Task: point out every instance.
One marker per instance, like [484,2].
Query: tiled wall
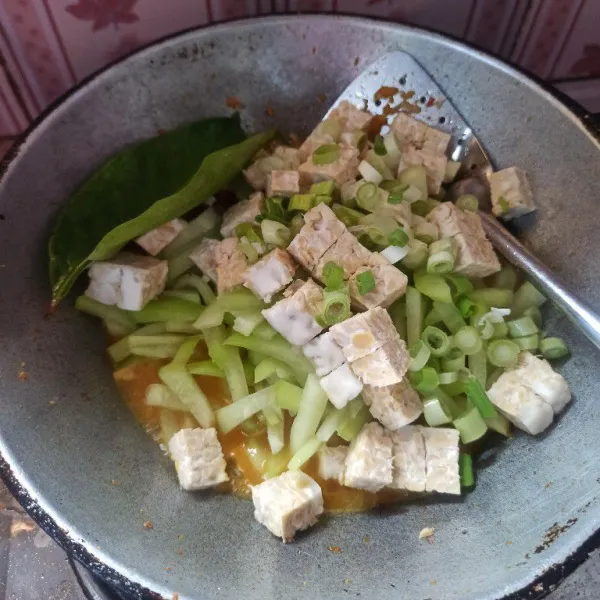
[48,45]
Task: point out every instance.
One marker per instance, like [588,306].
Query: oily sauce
[244,466]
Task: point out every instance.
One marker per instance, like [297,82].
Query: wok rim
[538,587]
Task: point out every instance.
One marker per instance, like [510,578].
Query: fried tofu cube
[369,459]
[431,159]
[347,252]
[128,281]
[288,503]
[408,130]
[475,257]
[283,183]
[441,454]
[511,193]
[245,211]
[231,265]
[542,379]
[390,284]
[386,366]
[341,386]
[343,169]
[294,316]
[351,117]
[198,458]
[270,274]
[394,406]
[409,462]
[324,353]
[203,256]
[320,230]
[158,239]
[451,221]
[520,404]
[332,461]
[364,333]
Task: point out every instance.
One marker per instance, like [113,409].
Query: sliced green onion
[333,276]
[336,306]
[301,202]
[414,315]
[479,399]
[434,286]
[433,317]
[500,298]
[466,306]
[417,177]
[395,253]
[348,216]
[467,202]
[553,348]
[330,127]
[369,172]
[365,282]
[424,380]
[506,278]
[312,406]
[379,145]
[522,327]
[323,188]
[398,237]
[250,231]
[367,196]
[296,224]
[232,415]
[478,366]
[323,199]
[448,377]
[205,368]
[503,353]
[397,313]
[500,424]
[274,207]
[461,284]
[426,232]
[395,197]
[468,340]
[452,169]
[526,296]
[412,195]
[450,316]
[417,256]
[442,255]
[454,360]
[420,208]
[467,477]
[535,314]
[436,340]
[471,426]
[275,233]
[434,413]
[419,355]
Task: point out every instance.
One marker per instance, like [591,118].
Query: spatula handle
[543,278]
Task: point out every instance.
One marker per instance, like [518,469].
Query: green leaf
[143,187]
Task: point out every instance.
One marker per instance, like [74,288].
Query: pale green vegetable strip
[312,406]
[168,425]
[189,295]
[288,396]
[275,427]
[204,367]
[178,265]
[304,453]
[270,366]
[193,233]
[352,428]
[264,331]
[331,423]
[186,350]
[275,465]
[168,309]
[166,351]
[239,300]
[229,417]
[178,327]
[212,316]
[246,322]
[197,282]
[115,328]
[414,316]
[277,348]
[122,349]
[97,309]
[165,339]
[355,406]
[158,394]
[500,424]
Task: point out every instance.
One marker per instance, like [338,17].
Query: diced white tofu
[369,459]
[539,376]
[283,183]
[324,353]
[270,274]
[394,406]
[431,159]
[244,211]
[332,461]
[475,257]
[128,281]
[408,130]
[203,256]
[511,193]
[341,170]
[158,239]
[364,333]
[520,404]
[290,157]
[287,503]
[390,284]
[231,264]
[386,366]
[351,117]
[341,386]
[410,470]
[451,221]
[441,454]
[320,230]
[294,316]
[198,458]
[347,252]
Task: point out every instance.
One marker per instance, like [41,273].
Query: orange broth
[132,381]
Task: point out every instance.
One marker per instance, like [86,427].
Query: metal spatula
[400,74]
